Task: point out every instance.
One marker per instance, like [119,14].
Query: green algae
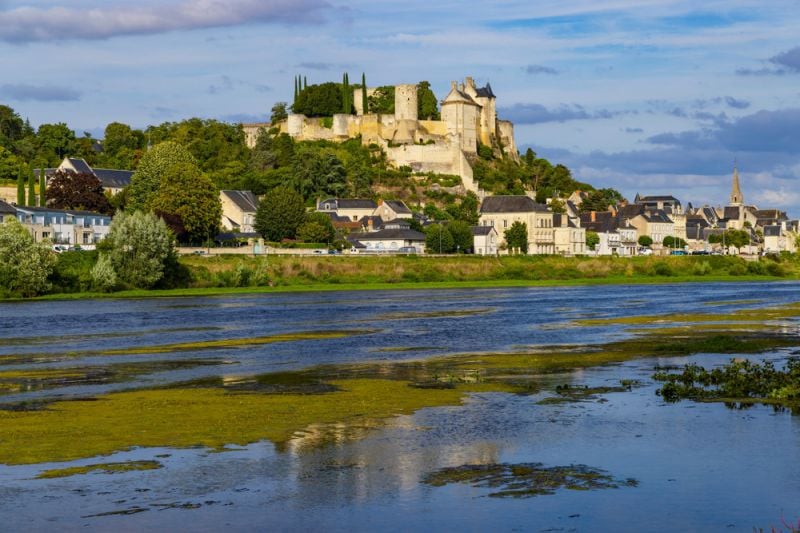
[12,381]
[105,468]
[208,417]
[526,480]
[217,344]
[572,394]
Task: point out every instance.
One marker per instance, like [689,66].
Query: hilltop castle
[445,146]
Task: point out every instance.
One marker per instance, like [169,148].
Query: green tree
[324,100]
[645,240]
[24,264]
[731,237]
[9,164]
[517,237]
[278,112]
[462,235]
[154,164]
[139,246]
[22,172]
[600,199]
[71,190]
[318,173]
[382,100]
[55,142]
[592,239]
[188,194]
[12,128]
[280,213]
[427,104]
[438,239]
[123,146]
[31,187]
[673,242]
[364,101]
[43,188]
[103,276]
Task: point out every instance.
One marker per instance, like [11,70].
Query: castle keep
[445,146]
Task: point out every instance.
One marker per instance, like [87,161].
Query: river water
[698,467]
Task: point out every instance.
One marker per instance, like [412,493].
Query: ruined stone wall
[405,102]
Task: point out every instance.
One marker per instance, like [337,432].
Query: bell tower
[736,190]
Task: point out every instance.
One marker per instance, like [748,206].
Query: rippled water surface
[698,467]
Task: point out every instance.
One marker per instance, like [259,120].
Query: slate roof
[456,96]
[397,223]
[659,198]
[112,178]
[485,92]
[6,208]
[66,211]
[481,230]
[511,204]
[657,216]
[80,165]
[350,203]
[398,206]
[772,231]
[244,200]
[731,212]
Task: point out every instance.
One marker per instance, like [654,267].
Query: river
[696,466]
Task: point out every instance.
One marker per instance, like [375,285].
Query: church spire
[736,190]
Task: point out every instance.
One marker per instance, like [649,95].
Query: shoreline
[403,285]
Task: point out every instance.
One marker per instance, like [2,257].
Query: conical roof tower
[736,190]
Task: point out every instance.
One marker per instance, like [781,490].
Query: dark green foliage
[218,148]
[280,213]
[318,173]
[673,242]
[31,188]
[485,152]
[731,237]
[12,128]
[54,143]
[600,199]
[645,240]
[517,237]
[382,100]
[278,113]
[122,146]
[364,101]
[427,104]
[73,271]
[736,381]
[324,100]
[462,236]
[316,228]
[42,188]
[22,176]
[592,239]
[438,240]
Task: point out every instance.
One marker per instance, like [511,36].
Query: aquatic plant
[738,380]
[525,480]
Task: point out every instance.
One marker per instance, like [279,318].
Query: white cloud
[30,24]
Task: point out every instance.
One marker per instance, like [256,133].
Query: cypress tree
[364,103]
[42,188]
[305,83]
[31,188]
[21,186]
[296,91]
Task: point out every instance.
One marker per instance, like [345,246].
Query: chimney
[454,85]
[369,224]
[461,87]
[594,216]
[470,81]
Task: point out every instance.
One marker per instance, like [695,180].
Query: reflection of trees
[351,462]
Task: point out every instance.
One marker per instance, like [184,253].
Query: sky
[647,96]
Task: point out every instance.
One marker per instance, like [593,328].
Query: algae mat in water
[206,417]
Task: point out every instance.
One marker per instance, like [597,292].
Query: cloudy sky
[649,96]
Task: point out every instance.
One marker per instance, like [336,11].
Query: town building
[238,211]
[501,212]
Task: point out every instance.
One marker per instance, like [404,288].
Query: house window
[505,223]
[45,235]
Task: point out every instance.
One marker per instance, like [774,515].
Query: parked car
[333,252]
[645,251]
[319,252]
[58,248]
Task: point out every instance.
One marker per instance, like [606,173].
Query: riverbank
[234,274]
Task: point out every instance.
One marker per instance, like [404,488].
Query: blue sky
[649,96]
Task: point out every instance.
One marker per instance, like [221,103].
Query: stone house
[351,208]
[569,236]
[484,240]
[392,209]
[501,212]
[238,211]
